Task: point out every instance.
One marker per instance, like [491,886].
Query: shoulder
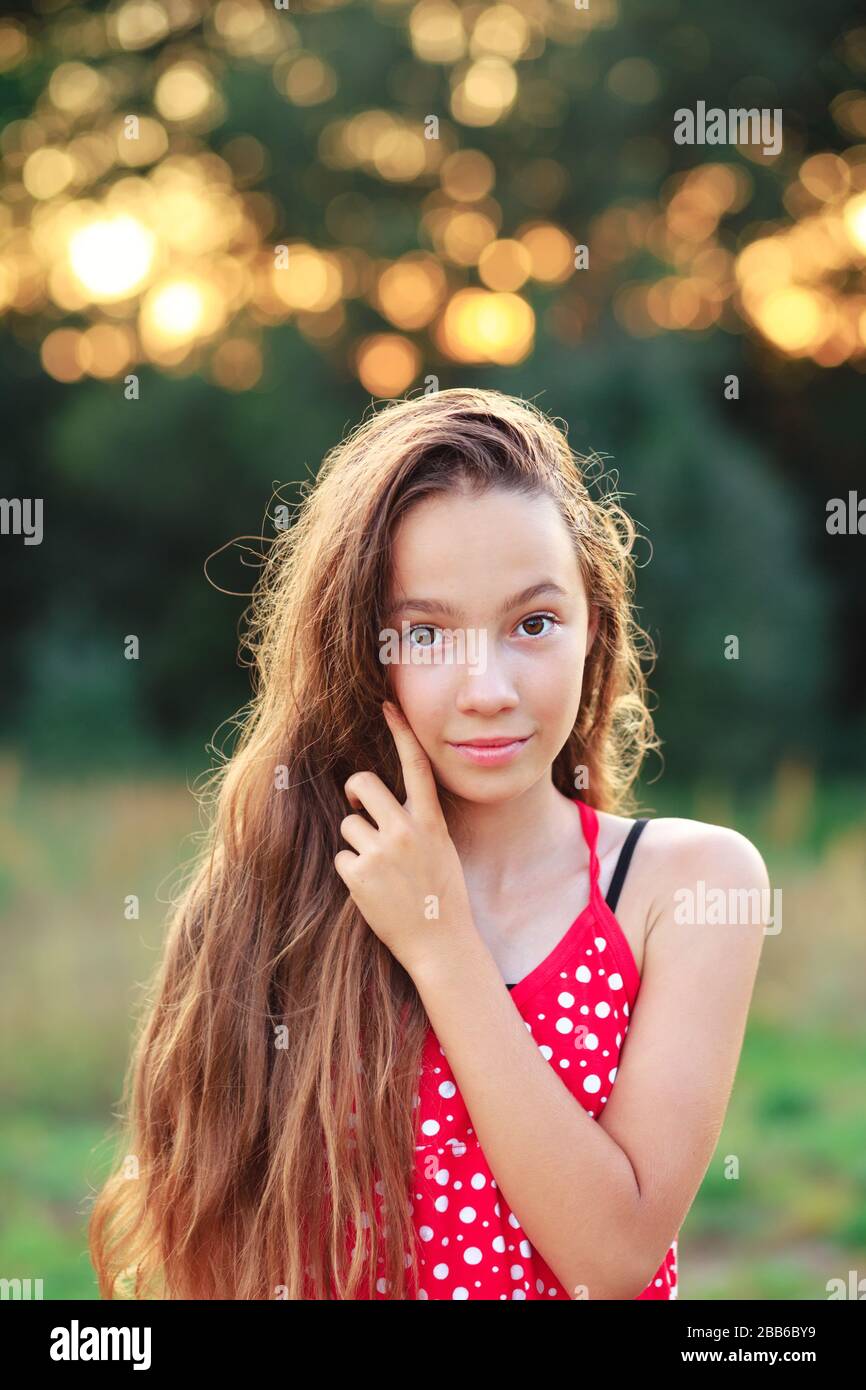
[676,845]
[672,846]
[685,857]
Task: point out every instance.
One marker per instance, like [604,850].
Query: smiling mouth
[490,742]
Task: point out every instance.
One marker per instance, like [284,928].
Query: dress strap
[623,862]
[589,823]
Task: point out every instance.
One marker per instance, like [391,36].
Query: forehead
[479,542]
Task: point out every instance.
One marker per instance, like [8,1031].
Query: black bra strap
[625,854]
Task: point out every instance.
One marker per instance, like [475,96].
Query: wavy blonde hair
[275,1069]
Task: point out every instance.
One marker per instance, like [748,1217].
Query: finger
[344,863]
[422,797]
[359,833]
[368,792]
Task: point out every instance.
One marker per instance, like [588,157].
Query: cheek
[555,686]
[423,694]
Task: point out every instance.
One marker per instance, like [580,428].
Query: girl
[334,1094]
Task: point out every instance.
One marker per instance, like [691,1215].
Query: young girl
[432,1021]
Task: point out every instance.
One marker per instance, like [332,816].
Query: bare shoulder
[688,857]
[674,849]
[680,845]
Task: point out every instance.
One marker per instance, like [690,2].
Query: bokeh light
[114,208]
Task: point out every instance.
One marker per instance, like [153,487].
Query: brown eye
[537,618]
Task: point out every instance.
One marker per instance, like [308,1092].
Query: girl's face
[488,591]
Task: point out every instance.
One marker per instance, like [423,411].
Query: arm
[570,1184]
[602,1199]
[672,1090]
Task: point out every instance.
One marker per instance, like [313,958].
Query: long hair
[271,1093]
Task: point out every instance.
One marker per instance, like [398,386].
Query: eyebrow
[435,605]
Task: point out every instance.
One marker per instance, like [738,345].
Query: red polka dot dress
[576,1004]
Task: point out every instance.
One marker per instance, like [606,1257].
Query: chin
[485,788]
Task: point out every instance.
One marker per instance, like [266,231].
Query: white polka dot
[516,1271]
[564,1025]
[460,1293]
[611,1076]
[592,1084]
[615,980]
[440,1271]
[430,1127]
[546,1052]
[447,1089]
[583,974]
[565,1000]
[602,1010]
[600,943]
[426,1232]
[478,1181]
[442,1176]
[498,1244]
[590,1042]
[467,1214]
[441,1203]
[472,1255]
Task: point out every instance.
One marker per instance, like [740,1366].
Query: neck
[498,841]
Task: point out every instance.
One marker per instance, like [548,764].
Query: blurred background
[229,230]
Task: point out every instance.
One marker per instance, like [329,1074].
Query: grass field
[793,1216]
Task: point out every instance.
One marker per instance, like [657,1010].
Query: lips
[491,752]
[491,742]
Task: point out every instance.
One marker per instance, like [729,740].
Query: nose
[485,685]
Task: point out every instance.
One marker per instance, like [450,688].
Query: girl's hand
[406,878]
